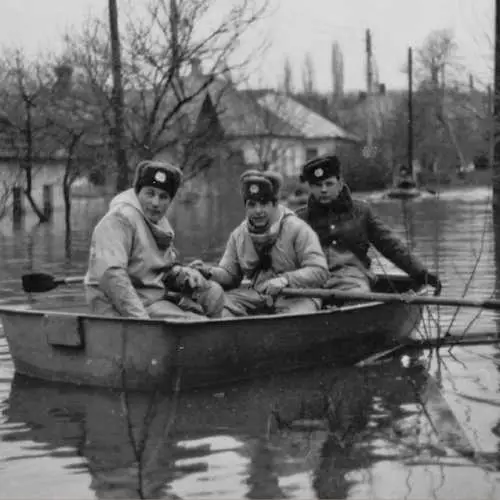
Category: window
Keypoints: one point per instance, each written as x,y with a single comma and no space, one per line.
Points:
311,153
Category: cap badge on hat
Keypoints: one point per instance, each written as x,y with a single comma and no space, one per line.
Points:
160,176
319,172
254,189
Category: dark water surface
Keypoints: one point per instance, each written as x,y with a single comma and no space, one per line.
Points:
389,431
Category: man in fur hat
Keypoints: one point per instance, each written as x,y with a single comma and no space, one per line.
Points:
272,249
347,227
133,263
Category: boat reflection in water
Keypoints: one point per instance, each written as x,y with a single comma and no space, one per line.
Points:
312,434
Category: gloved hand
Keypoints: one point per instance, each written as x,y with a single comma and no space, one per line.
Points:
427,278
204,269
273,286
190,279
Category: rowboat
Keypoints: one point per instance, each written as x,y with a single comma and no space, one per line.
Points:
144,355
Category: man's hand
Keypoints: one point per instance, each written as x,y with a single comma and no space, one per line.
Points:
190,278
427,278
203,268
273,286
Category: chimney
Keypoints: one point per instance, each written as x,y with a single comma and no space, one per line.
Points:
63,72
196,69
381,88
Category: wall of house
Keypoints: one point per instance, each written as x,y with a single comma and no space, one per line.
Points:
312,148
288,154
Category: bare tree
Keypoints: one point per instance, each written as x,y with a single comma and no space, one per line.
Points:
439,70
164,79
22,95
73,130
437,59
337,72
450,121
308,75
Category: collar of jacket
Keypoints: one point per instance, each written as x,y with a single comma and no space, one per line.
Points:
342,204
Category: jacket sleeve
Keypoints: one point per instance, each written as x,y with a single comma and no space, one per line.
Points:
228,273
111,246
313,269
391,246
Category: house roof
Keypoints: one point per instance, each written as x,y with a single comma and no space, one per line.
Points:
240,114
306,122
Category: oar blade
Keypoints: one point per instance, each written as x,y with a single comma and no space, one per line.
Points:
38,282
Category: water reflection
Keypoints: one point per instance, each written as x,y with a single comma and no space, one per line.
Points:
320,434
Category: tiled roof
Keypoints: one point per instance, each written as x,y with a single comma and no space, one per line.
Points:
240,115
305,121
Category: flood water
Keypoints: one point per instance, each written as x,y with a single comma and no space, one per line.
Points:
408,428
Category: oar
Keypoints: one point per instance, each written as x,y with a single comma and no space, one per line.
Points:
405,298
42,282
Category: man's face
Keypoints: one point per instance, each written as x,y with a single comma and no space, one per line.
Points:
327,190
154,202
259,213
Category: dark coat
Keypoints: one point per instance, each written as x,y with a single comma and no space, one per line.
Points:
349,226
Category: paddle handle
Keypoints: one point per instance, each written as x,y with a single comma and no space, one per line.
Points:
405,298
69,280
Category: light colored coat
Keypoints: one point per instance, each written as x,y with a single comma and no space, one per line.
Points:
125,244
297,254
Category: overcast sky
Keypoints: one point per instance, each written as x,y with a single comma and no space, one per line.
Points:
299,26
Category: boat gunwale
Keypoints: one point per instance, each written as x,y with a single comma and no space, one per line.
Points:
15,310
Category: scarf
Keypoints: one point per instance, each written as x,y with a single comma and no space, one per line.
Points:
162,233
264,240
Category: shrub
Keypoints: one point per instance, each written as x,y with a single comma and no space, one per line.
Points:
366,174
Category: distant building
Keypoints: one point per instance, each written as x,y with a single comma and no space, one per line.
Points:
271,131
312,134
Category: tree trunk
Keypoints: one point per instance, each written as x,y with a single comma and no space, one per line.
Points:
28,166
67,219
67,204
67,182
118,132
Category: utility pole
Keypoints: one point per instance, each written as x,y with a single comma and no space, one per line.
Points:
491,129
369,89
496,145
117,100
410,112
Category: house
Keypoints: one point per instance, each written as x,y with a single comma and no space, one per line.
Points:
312,134
270,131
